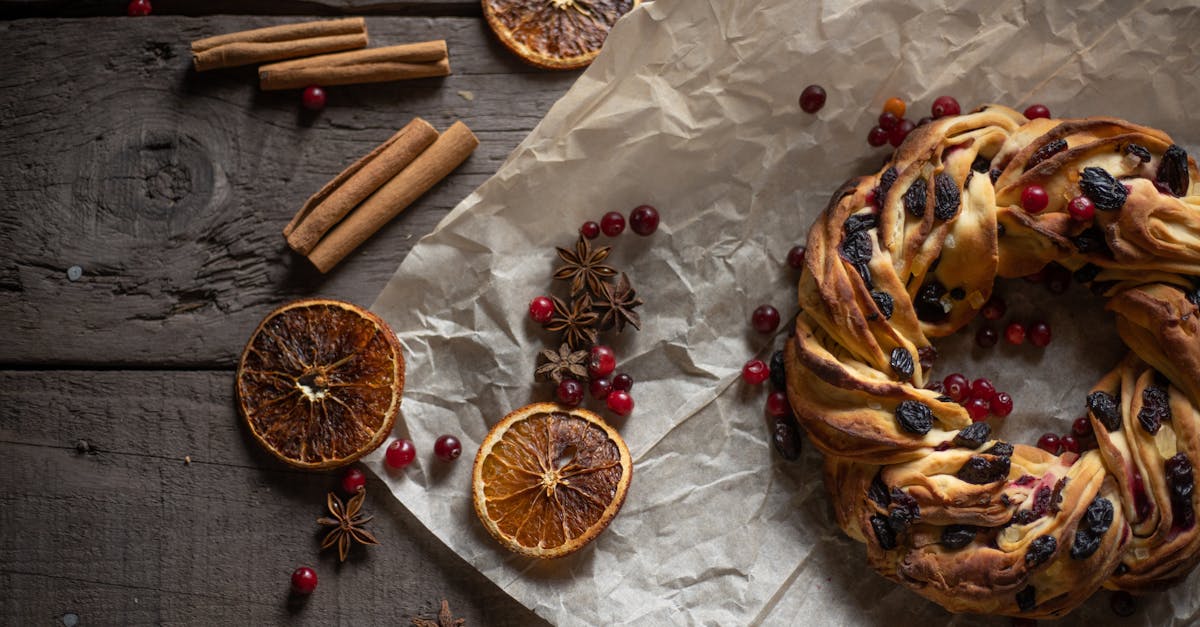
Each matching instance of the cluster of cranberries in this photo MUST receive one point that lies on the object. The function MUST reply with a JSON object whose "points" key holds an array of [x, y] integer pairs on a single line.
{"points": [[979, 397], [401, 452], [613, 389], [1080, 439], [643, 220], [784, 433], [1015, 333], [893, 127]]}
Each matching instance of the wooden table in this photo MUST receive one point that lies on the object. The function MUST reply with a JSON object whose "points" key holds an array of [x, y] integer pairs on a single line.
{"points": [[168, 189]]}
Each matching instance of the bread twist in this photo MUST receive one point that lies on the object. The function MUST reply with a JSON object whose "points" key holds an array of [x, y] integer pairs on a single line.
{"points": [[910, 254]]}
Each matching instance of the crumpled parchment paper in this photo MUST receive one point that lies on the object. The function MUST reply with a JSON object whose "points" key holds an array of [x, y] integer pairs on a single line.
{"points": [[692, 107]]}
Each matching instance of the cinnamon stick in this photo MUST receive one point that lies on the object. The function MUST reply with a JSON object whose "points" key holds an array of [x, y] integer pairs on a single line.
{"points": [[273, 43], [448, 152], [375, 65], [356, 183]]}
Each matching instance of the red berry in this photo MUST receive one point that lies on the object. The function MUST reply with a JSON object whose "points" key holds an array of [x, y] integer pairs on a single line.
{"points": [[896, 136], [1070, 443], [978, 409], [755, 372], [353, 480], [643, 220], [1034, 198], [541, 309], [399, 454], [619, 402], [612, 224], [944, 106], [982, 388], [570, 392], [994, 308], [765, 319], [1001, 405], [313, 98], [986, 337], [888, 120], [812, 98], [1014, 333], [1039, 334], [957, 387], [1037, 111], [777, 404], [1082, 426], [447, 448], [600, 387], [590, 229], [602, 361], [622, 382], [795, 257], [138, 8], [1049, 443], [871, 199], [1081, 208], [878, 136], [304, 580]]}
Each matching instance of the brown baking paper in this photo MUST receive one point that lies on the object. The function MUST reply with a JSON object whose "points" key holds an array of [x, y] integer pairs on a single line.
{"points": [[692, 107]]}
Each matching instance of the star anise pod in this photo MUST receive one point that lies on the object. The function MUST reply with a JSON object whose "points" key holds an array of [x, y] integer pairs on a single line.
{"points": [[444, 618], [576, 323], [347, 524], [616, 306], [563, 363], [585, 267]]}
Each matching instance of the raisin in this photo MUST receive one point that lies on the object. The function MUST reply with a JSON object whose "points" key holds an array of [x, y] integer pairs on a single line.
{"points": [[856, 247], [1087, 273], [1138, 151], [929, 303], [974, 436], [916, 198], [958, 293], [946, 196], [1056, 495], [1045, 152], [982, 470], [778, 371], [860, 222], [904, 511], [1002, 449], [1090, 241], [1173, 170], [981, 164], [883, 301], [1040, 551], [1027, 599], [1023, 517], [958, 536], [1193, 297], [1104, 407], [914, 417], [926, 355], [878, 491], [1085, 544], [883, 532], [1095, 523], [1106, 192], [1181, 481], [886, 180], [902, 363], [786, 438], [1155, 409], [1042, 501]]}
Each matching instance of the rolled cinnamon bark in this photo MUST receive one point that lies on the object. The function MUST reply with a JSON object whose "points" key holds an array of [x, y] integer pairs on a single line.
{"points": [[376, 65], [273, 43]]}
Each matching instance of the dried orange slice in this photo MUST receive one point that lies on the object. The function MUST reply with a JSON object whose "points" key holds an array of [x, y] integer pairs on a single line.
{"points": [[319, 382], [555, 34], [549, 478]]}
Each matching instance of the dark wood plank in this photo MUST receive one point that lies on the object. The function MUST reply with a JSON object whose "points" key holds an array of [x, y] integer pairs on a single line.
{"points": [[81, 8], [131, 534], [169, 188]]}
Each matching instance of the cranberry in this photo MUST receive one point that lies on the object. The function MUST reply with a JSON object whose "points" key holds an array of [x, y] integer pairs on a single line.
{"points": [[400, 453], [957, 387], [1049, 443], [1036, 111], [1069, 443], [896, 136], [986, 337], [944, 106], [590, 229], [1081, 208], [541, 309], [1014, 333], [777, 404], [888, 120], [600, 387], [1034, 198], [1001, 405], [812, 98], [994, 308], [643, 220], [765, 319], [978, 409], [982, 388], [447, 448], [622, 382], [612, 224], [570, 392], [304, 579], [138, 8], [923, 121], [353, 480], [1039, 334], [1122, 603], [755, 372], [1082, 427], [313, 98], [878, 136], [620, 402], [602, 361], [795, 257], [895, 106]]}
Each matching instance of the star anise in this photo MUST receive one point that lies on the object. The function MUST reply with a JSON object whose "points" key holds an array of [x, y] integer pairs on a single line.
{"points": [[616, 306], [347, 524], [444, 619], [576, 323], [565, 362], [585, 267]]}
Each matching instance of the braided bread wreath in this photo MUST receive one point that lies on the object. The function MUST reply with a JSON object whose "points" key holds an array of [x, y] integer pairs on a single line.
{"points": [[976, 524]]}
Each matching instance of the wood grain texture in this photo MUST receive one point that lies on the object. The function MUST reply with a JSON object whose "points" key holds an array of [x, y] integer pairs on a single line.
{"points": [[78, 8], [130, 534], [170, 188]]}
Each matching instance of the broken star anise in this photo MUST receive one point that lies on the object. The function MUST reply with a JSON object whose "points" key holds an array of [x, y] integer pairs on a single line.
{"points": [[347, 523], [444, 618], [576, 323], [616, 306], [585, 267], [563, 363]]}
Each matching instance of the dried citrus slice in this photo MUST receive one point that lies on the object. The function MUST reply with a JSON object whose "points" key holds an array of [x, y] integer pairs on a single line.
{"points": [[319, 382], [555, 34], [548, 479]]}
